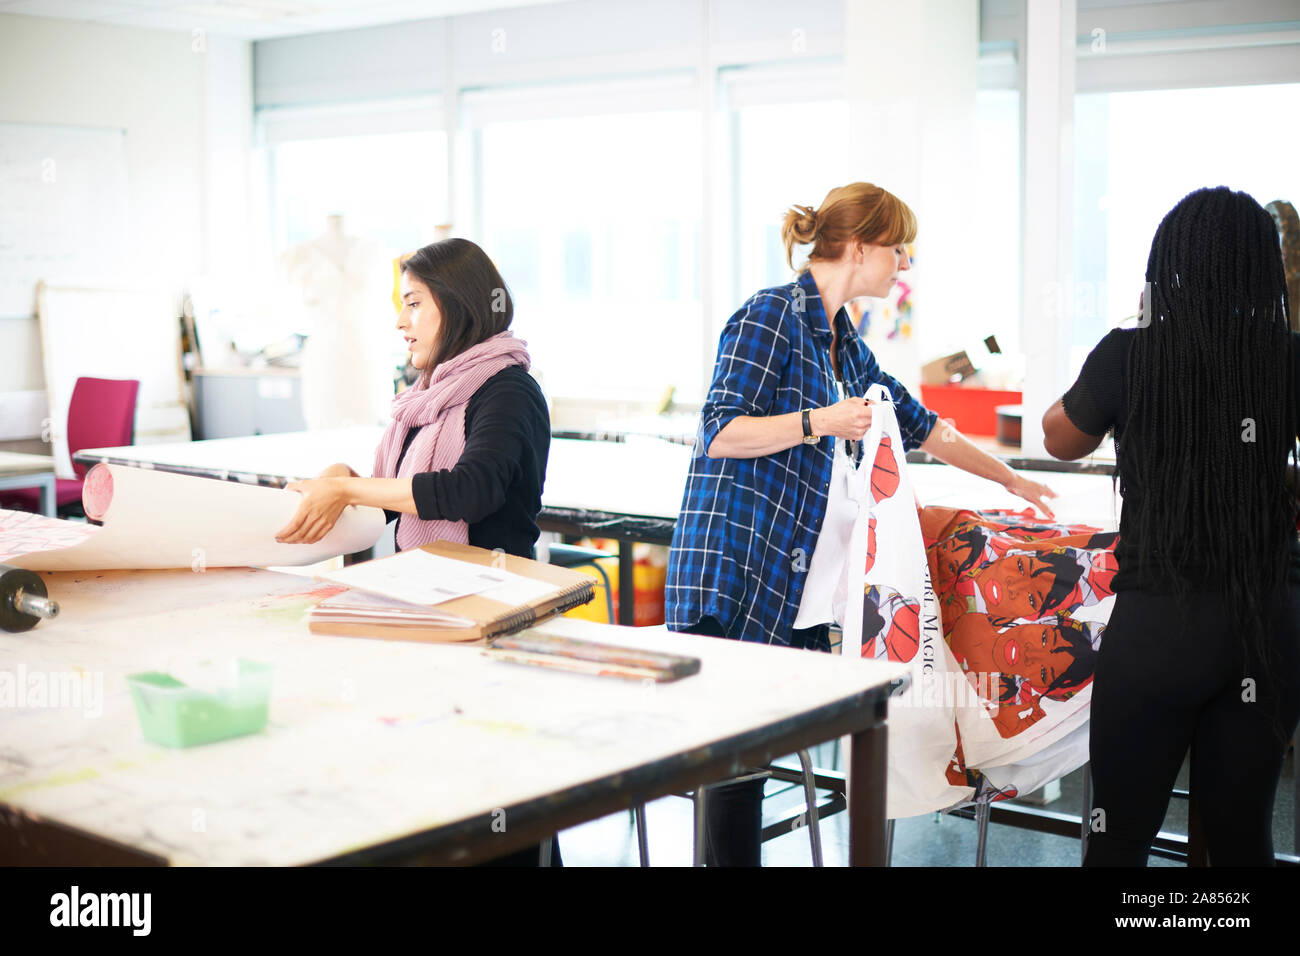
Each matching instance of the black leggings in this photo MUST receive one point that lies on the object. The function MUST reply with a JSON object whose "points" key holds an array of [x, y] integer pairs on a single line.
{"points": [[733, 814], [1164, 682]]}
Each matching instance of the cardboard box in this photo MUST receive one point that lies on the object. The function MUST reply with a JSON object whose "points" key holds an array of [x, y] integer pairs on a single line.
{"points": [[941, 370]]}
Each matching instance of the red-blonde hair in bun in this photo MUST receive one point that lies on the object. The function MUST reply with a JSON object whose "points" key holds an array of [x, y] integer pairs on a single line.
{"points": [[857, 211]]}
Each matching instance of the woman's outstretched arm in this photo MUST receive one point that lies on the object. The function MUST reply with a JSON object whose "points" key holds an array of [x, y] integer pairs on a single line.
{"points": [[323, 500], [951, 447]]}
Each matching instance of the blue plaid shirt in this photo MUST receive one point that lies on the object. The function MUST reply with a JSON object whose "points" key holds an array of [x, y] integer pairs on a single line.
{"points": [[747, 523]]}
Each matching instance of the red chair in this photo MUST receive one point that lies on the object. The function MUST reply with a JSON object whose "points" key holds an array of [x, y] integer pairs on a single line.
{"points": [[101, 414]]}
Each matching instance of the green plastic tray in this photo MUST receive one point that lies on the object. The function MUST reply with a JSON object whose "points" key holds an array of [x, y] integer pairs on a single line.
{"points": [[175, 715]]}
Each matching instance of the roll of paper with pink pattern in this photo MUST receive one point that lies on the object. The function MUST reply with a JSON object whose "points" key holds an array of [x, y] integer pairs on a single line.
{"points": [[158, 519]]}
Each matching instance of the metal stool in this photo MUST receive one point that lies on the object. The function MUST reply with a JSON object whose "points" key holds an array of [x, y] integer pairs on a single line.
{"points": [[983, 811], [983, 814], [572, 556], [700, 799]]}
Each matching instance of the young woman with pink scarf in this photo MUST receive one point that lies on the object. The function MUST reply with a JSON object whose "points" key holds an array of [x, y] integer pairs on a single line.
{"points": [[464, 457], [465, 454]]}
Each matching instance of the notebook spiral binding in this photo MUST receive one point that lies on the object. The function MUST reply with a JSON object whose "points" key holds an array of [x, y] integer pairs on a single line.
{"points": [[571, 597], [513, 623], [576, 596]]}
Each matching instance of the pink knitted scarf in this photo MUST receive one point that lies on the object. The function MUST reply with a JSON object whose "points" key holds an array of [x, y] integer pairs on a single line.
{"points": [[440, 409]]}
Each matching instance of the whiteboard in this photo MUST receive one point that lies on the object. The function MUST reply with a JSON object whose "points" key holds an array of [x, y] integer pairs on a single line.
{"points": [[63, 210], [113, 333]]}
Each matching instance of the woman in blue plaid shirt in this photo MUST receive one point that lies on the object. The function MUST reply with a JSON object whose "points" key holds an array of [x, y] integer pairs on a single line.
{"points": [[790, 379]]}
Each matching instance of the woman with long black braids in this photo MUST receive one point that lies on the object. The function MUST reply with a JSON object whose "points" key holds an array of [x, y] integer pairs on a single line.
{"points": [[1203, 644]]}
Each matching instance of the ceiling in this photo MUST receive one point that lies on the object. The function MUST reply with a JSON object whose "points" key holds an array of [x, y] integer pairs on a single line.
{"points": [[253, 19]]}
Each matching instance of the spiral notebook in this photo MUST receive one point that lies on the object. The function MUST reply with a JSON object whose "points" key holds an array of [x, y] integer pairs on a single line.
{"points": [[447, 592]]}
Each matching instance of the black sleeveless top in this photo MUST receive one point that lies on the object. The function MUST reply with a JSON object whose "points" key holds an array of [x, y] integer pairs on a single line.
{"points": [[1097, 402]]}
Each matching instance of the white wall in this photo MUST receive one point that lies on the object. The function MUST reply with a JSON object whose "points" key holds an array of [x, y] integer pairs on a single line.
{"points": [[232, 246], [184, 102]]}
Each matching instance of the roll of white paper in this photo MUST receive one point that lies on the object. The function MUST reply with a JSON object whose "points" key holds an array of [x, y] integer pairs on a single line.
{"points": [[157, 519]]}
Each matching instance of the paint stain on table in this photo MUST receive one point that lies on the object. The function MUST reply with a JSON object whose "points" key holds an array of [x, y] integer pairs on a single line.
{"points": [[294, 604], [56, 780]]}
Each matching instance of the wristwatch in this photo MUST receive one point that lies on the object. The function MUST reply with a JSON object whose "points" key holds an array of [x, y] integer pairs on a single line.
{"points": [[808, 437]]}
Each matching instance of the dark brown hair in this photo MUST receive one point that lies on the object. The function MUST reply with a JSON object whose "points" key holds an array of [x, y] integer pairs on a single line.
{"points": [[471, 295]]}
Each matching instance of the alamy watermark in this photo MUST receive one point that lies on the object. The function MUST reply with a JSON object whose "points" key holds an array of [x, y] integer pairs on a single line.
{"points": [[76, 908], [950, 689], [83, 690]]}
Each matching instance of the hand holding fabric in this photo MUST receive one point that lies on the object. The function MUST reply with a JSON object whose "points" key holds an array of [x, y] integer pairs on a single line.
{"points": [[322, 502], [850, 419]]}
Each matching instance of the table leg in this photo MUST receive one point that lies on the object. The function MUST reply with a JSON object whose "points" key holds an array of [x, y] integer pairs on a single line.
{"points": [[868, 767], [626, 584], [49, 499]]}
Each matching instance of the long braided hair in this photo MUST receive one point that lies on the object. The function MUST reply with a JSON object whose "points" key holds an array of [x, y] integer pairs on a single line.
{"points": [[1210, 383]]}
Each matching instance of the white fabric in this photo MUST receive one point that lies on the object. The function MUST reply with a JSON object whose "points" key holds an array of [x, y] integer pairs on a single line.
{"points": [[887, 568], [826, 586], [895, 617], [824, 590]]}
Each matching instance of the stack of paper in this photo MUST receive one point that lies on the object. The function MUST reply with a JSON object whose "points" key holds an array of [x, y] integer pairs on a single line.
{"points": [[447, 592], [360, 607], [419, 577]]}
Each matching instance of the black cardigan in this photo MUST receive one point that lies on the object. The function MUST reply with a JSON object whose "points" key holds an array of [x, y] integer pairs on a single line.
{"points": [[496, 486]]}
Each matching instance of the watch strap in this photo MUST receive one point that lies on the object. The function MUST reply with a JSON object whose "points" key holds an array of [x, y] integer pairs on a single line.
{"points": [[808, 437]]}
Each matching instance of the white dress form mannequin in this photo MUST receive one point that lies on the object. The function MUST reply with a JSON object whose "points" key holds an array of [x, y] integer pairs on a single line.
{"points": [[341, 290]]}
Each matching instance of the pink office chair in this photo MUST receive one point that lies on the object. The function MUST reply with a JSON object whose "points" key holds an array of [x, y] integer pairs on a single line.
{"points": [[101, 414]]}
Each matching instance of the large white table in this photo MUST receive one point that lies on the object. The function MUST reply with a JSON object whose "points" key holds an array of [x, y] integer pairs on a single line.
{"points": [[383, 751]]}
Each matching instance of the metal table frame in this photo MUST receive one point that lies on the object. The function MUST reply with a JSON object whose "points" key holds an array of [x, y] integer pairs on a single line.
{"points": [[44, 480]]}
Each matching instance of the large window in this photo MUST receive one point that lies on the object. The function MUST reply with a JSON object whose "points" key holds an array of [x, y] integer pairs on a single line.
{"points": [[390, 188], [594, 223], [771, 177], [995, 305], [1138, 153]]}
